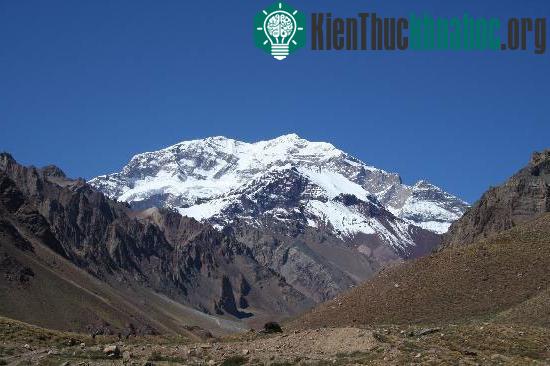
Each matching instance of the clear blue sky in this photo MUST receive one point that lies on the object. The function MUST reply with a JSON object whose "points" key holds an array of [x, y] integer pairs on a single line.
{"points": [[87, 84]]}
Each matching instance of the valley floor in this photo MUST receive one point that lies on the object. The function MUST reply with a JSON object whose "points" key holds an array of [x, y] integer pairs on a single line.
{"points": [[453, 344]]}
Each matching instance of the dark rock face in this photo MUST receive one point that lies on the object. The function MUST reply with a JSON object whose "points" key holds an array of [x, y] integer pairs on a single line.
{"points": [[227, 301], [521, 198], [227, 298], [157, 249], [13, 270]]}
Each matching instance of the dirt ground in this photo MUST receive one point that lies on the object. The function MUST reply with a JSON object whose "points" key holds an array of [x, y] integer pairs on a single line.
{"points": [[453, 344]]}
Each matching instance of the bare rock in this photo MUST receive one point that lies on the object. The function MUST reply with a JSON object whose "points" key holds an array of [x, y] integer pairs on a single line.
{"points": [[112, 351], [522, 197]]}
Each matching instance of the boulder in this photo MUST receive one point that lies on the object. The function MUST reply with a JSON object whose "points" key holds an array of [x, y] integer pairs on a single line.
{"points": [[112, 351]]}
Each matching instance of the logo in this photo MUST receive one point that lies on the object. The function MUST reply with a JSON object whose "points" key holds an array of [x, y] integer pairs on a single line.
{"points": [[279, 30]]}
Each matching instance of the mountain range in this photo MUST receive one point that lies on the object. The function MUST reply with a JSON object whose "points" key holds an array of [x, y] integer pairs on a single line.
{"points": [[226, 234], [72, 258], [314, 214]]}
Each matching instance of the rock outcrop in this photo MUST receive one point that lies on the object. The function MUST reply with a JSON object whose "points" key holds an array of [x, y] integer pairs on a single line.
{"points": [[521, 198]]}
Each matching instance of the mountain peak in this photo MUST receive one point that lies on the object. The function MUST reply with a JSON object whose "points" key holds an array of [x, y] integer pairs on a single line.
{"points": [[422, 183], [6, 160], [53, 171], [540, 157], [202, 178], [4, 156], [288, 137], [217, 138]]}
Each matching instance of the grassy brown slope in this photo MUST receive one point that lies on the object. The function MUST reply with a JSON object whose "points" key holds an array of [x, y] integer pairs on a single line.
{"points": [[478, 280], [535, 311]]}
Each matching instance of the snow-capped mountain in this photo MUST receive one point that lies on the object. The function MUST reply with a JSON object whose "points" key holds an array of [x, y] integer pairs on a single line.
{"points": [[288, 179]]}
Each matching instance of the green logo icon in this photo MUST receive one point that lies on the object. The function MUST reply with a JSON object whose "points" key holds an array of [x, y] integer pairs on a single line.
{"points": [[279, 30]]}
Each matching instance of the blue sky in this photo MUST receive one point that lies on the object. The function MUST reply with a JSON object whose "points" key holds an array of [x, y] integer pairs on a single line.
{"points": [[88, 84]]}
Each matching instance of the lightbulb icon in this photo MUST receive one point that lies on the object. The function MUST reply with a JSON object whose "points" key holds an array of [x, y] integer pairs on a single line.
{"points": [[280, 27]]}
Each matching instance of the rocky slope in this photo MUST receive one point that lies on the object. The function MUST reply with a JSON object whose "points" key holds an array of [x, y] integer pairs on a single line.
{"points": [[308, 211], [523, 196], [502, 277], [62, 242]]}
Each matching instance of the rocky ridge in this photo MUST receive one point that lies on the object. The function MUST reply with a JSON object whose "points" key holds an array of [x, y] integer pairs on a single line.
{"points": [[523, 196]]}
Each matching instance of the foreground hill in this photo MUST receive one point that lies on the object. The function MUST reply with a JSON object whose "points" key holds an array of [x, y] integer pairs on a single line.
{"points": [[506, 272]]}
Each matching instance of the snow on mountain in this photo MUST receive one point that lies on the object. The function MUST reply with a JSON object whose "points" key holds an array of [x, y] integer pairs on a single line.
{"points": [[431, 208], [287, 178], [215, 165]]}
